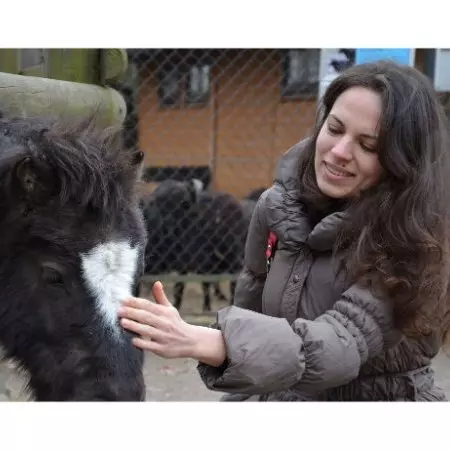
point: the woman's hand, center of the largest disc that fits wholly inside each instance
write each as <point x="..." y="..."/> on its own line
<point x="163" y="332"/>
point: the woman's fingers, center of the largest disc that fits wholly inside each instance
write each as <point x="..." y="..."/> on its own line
<point x="139" y="315"/>
<point x="158" y="326"/>
<point x="160" y="295"/>
<point x="147" y="305"/>
<point x="141" y="329"/>
<point x="143" y="344"/>
<point x="141" y="303"/>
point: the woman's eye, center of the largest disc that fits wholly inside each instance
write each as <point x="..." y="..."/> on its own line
<point x="369" y="148"/>
<point x="333" y="130"/>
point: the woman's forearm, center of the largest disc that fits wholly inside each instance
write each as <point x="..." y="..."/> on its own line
<point x="209" y="346"/>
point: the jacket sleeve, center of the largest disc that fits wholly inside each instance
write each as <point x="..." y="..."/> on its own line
<point x="250" y="284"/>
<point x="267" y="354"/>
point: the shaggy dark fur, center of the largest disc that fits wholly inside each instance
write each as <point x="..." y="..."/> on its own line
<point x="248" y="204"/>
<point x="64" y="190"/>
<point x="201" y="233"/>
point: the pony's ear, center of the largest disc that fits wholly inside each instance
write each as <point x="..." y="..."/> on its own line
<point x="27" y="176"/>
<point x="136" y="160"/>
<point x="32" y="182"/>
<point x="196" y="187"/>
<point x="137" y="157"/>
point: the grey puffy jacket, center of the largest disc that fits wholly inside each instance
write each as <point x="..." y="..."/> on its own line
<point x="299" y="332"/>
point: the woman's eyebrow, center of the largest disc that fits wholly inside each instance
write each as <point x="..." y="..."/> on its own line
<point x="369" y="136"/>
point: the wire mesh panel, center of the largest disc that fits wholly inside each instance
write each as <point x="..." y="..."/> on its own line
<point x="231" y="111"/>
<point x="213" y="125"/>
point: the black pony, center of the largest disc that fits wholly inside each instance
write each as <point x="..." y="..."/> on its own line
<point x="71" y="247"/>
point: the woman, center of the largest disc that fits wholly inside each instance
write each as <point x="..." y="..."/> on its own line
<point x="355" y="303"/>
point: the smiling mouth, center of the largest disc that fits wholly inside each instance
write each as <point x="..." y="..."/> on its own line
<point x="337" y="171"/>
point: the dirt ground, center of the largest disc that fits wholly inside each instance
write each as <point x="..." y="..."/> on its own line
<point x="178" y="380"/>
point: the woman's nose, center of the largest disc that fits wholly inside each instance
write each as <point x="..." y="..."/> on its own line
<point x="342" y="149"/>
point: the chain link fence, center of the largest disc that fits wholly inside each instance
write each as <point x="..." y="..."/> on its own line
<point x="213" y="125"/>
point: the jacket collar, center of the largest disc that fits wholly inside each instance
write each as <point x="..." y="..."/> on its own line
<point x="286" y="213"/>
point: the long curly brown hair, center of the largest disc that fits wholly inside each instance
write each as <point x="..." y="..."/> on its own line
<point x="398" y="236"/>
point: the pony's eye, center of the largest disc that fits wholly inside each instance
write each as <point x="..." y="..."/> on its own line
<point x="52" y="276"/>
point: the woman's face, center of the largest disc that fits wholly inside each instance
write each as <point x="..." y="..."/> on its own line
<point x="345" y="159"/>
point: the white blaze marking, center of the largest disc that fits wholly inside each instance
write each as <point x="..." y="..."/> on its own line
<point x="109" y="270"/>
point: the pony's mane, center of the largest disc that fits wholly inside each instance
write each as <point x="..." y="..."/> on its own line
<point x="76" y="162"/>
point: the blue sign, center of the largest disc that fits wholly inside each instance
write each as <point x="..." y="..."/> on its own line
<point x="399" y="55"/>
